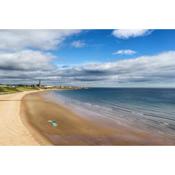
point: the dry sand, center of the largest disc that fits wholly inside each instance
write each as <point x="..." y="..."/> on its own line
<point x="12" y="129"/>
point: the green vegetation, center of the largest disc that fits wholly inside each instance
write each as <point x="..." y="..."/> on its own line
<point x="6" y="89"/>
<point x="12" y="89"/>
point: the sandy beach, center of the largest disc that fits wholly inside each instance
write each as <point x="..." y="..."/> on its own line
<point x="73" y="129"/>
<point x="24" y="121"/>
<point x="13" y="131"/>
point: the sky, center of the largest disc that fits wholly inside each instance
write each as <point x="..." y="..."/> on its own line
<point x="94" y="58"/>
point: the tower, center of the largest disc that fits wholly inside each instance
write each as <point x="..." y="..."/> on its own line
<point x="39" y="84"/>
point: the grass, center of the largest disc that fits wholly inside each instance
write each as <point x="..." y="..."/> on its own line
<point x="8" y="89"/>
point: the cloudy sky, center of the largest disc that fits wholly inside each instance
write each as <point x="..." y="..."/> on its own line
<point x="111" y="58"/>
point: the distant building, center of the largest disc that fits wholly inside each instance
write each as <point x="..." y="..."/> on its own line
<point x="48" y="86"/>
<point x="39" y="83"/>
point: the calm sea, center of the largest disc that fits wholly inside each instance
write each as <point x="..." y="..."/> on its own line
<point x="144" y="108"/>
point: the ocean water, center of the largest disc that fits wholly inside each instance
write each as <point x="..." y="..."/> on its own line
<point x="151" y="109"/>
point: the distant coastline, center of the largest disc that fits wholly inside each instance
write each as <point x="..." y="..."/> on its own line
<point x="13" y="88"/>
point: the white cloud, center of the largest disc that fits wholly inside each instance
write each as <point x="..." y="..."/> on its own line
<point x="141" y="71"/>
<point x="24" y="55"/>
<point x="125" y="52"/>
<point x="125" y="34"/>
<point x="78" y="44"/>
<point x="26" y="60"/>
<point x="37" y="39"/>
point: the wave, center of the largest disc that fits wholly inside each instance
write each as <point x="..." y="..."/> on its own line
<point x="136" y="114"/>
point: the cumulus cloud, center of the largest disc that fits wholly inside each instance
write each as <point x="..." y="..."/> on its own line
<point x="124" y="52"/>
<point x="25" y="56"/>
<point x="37" y="39"/>
<point x="146" y="70"/>
<point x="26" y="60"/>
<point x="125" y="34"/>
<point x="33" y="65"/>
<point x="78" y="44"/>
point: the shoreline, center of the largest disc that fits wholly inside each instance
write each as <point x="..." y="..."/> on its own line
<point x="74" y="129"/>
<point x="42" y="141"/>
<point x="25" y="122"/>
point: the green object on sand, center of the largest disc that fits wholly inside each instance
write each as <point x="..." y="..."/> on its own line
<point x="53" y="123"/>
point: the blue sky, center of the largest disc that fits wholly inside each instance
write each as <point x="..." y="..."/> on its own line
<point x="101" y="44"/>
<point x="111" y="58"/>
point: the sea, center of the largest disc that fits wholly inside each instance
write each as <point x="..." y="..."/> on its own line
<point x="151" y="109"/>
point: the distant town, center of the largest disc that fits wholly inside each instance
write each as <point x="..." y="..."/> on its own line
<point x="11" y="88"/>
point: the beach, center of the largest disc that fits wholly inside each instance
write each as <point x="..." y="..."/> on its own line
<point x="74" y="129"/>
<point x="13" y="131"/>
<point x="24" y="121"/>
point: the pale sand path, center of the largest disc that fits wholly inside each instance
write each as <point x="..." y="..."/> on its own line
<point x="12" y="130"/>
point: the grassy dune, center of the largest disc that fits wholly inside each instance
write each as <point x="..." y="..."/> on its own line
<point x="8" y="89"/>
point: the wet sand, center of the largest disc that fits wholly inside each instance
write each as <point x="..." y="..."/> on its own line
<point x="74" y="129"/>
